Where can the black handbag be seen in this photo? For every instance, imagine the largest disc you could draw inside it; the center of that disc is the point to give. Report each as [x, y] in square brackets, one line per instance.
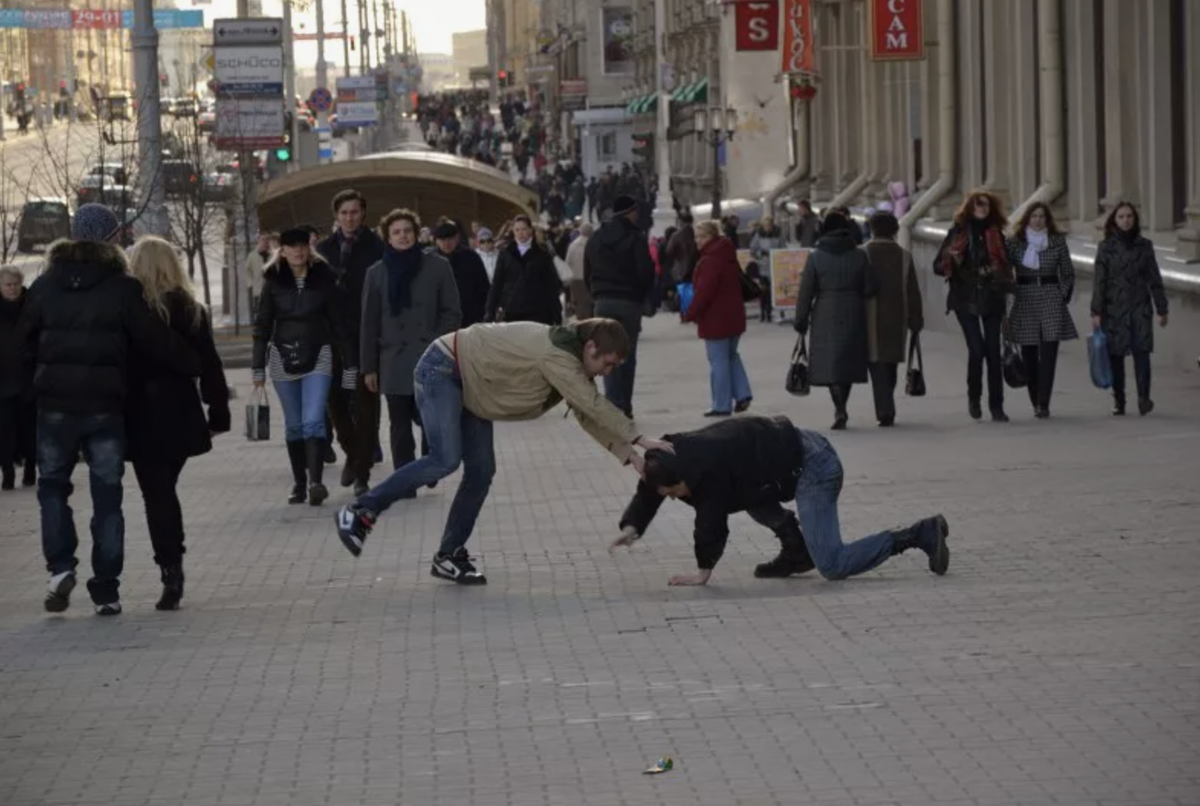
[914, 380]
[298, 357]
[1014, 367]
[797, 377]
[750, 289]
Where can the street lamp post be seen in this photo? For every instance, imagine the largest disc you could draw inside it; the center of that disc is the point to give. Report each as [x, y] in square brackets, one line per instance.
[664, 210]
[716, 129]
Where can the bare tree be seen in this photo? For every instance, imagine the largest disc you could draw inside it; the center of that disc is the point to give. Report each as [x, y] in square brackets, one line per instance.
[197, 216]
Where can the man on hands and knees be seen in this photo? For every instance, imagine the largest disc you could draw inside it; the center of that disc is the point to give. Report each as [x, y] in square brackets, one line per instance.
[468, 379]
[751, 465]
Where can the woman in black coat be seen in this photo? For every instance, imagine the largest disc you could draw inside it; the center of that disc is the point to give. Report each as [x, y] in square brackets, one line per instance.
[18, 415]
[526, 285]
[834, 287]
[165, 419]
[1127, 290]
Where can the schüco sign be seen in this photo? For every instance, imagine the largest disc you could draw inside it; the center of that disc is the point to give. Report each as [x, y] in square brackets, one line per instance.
[248, 65]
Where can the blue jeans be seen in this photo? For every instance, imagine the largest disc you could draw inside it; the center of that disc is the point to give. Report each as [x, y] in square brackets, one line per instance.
[618, 384]
[817, 492]
[726, 375]
[101, 437]
[303, 402]
[456, 436]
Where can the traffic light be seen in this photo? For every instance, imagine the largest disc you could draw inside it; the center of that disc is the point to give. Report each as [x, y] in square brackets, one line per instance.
[643, 145]
[283, 154]
[503, 78]
[21, 93]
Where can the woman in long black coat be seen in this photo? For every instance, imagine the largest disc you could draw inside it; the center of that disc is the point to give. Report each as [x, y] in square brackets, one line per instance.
[526, 285]
[17, 410]
[834, 287]
[1127, 290]
[165, 419]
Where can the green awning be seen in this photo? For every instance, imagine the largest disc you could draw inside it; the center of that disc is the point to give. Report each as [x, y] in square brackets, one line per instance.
[632, 108]
[651, 103]
[697, 93]
[681, 92]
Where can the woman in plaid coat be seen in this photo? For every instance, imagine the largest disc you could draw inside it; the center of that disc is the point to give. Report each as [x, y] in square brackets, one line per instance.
[1039, 319]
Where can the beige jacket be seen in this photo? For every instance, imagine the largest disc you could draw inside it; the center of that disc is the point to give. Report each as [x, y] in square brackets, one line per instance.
[575, 257]
[521, 370]
[254, 272]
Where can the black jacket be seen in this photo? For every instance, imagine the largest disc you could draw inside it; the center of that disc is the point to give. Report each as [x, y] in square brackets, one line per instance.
[81, 319]
[730, 466]
[525, 288]
[14, 376]
[617, 262]
[472, 280]
[352, 271]
[164, 415]
[311, 317]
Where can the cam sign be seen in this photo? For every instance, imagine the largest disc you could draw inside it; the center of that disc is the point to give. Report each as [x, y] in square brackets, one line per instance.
[896, 31]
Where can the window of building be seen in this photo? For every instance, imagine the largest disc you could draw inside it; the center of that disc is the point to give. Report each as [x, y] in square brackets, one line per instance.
[606, 147]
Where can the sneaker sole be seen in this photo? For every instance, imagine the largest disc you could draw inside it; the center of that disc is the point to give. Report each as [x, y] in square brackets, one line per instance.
[59, 600]
[939, 563]
[351, 542]
[434, 571]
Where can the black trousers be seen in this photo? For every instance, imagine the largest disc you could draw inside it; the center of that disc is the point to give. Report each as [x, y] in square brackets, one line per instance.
[883, 388]
[982, 334]
[1141, 375]
[403, 414]
[18, 432]
[355, 419]
[1041, 360]
[157, 479]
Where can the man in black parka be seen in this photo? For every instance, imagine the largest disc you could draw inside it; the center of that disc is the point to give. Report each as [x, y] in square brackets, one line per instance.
[752, 465]
[83, 316]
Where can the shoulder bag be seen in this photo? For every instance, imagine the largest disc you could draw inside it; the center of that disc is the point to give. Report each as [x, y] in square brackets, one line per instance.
[914, 380]
[797, 377]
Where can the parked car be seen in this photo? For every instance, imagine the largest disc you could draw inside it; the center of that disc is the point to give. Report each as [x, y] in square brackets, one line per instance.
[101, 189]
[114, 170]
[179, 177]
[206, 121]
[184, 108]
[43, 221]
[219, 187]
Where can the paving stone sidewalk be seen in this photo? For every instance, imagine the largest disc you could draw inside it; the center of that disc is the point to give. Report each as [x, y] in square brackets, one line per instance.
[1057, 663]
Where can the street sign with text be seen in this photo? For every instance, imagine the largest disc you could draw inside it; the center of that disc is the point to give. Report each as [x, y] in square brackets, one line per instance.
[254, 31]
[249, 71]
[249, 123]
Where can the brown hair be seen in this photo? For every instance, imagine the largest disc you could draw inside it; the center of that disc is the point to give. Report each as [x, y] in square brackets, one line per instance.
[1018, 229]
[346, 196]
[1110, 223]
[399, 214]
[996, 216]
[608, 335]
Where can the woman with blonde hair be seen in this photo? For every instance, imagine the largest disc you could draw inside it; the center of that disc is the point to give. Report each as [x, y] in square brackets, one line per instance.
[974, 260]
[165, 418]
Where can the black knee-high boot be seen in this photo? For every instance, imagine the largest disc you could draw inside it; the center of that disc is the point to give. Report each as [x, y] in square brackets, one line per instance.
[298, 459]
[314, 450]
[793, 555]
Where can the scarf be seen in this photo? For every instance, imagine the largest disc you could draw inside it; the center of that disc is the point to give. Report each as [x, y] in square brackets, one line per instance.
[401, 265]
[1035, 243]
[523, 248]
[954, 259]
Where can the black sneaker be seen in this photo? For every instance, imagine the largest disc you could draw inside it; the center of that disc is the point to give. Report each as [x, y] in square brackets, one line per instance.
[457, 567]
[353, 525]
[109, 609]
[58, 593]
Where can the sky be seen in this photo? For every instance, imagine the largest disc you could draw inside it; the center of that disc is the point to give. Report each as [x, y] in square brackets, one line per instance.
[433, 21]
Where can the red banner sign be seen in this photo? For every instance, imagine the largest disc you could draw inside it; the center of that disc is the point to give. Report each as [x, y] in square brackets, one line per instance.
[758, 25]
[95, 18]
[896, 30]
[798, 53]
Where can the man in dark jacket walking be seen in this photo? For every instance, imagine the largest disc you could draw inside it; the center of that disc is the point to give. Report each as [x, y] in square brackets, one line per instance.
[751, 465]
[351, 249]
[83, 315]
[469, 273]
[619, 273]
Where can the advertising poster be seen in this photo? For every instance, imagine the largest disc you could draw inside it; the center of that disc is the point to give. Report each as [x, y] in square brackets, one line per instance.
[786, 266]
[618, 39]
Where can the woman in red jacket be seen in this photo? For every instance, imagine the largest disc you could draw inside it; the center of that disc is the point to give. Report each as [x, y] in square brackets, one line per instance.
[720, 314]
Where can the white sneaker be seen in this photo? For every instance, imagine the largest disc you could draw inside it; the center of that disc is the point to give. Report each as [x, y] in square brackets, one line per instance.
[110, 609]
[58, 592]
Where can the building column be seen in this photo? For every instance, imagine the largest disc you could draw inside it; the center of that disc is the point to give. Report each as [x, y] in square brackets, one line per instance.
[926, 89]
[1121, 51]
[1079, 43]
[970, 89]
[1189, 236]
[823, 117]
[1003, 80]
[1158, 208]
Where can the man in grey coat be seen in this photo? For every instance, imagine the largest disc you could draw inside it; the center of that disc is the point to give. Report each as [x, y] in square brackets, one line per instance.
[409, 299]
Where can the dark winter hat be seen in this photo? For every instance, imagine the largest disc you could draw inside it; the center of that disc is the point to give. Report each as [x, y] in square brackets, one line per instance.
[296, 236]
[94, 222]
[446, 229]
[835, 222]
[623, 205]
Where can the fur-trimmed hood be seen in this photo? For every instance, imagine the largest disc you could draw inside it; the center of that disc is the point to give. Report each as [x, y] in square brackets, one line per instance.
[81, 265]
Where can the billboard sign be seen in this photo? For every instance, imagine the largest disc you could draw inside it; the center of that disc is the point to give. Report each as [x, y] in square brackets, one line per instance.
[757, 25]
[896, 31]
[798, 53]
[249, 123]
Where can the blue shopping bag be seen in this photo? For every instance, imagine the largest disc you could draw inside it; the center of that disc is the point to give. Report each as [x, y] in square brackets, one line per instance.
[1097, 346]
[686, 291]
